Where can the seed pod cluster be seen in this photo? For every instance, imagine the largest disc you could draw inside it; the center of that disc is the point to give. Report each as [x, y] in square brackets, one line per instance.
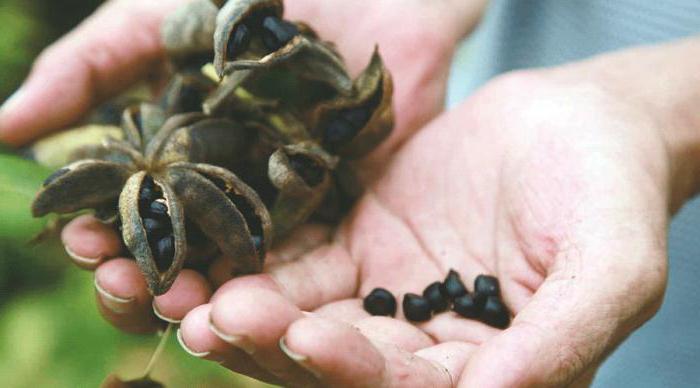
[484, 304]
[245, 143]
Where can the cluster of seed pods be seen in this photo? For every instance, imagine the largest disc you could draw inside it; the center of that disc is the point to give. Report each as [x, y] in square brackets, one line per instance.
[483, 304]
[250, 139]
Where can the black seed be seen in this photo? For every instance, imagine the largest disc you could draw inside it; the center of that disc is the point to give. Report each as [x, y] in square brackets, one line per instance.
[164, 251]
[148, 191]
[138, 121]
[467, 306]
[158, 210]
[435, 296]
[238, 42]
[338, 131]
[495, 313]
[57, 174]
[453, 286]
[416, 308]
[308, 170]
[380, 302]
[487, 285]
[257, 242]
[276, 32]
[155, 227]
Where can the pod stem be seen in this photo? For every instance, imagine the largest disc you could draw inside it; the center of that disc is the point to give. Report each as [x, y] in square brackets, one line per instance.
[159, 350]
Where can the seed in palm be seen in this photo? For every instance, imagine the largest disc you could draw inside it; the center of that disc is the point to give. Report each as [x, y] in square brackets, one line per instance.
[380, 302]
[453, 285]
[495, 313]
[467, 306]
[487, 285]
[436, 297]
[416, 308]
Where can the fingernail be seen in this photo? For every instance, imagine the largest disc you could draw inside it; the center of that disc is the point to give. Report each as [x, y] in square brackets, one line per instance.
[300, 359]
[187, 349]
[239, 341]
[114, 303]
[90, 262]
[161, 316]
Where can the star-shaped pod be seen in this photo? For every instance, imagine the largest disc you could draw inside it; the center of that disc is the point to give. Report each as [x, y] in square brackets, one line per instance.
[251, 34]
[161, 179]
[352, 126]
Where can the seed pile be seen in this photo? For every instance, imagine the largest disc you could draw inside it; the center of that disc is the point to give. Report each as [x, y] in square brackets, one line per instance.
[484, 304]
[249, 140]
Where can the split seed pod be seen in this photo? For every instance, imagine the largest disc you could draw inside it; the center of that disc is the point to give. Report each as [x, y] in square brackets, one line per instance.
[353, 126]
[187, 33]
[160, 179]
[251, 34]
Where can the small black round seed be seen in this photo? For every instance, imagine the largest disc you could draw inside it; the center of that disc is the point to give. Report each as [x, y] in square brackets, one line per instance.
[276, 32]
[148, 191]
[308, 170]
[57, 174]
[453, 285]
[487, 285]
[358, 117]
[157, 209]
[238, 42]
[495, 313]
[380, 302]
[467, 306]
[154, 227]
[416, 308]
[435, 296]
[164, 252]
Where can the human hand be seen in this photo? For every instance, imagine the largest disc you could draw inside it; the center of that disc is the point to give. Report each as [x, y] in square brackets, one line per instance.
[114, 48]
[560, 182]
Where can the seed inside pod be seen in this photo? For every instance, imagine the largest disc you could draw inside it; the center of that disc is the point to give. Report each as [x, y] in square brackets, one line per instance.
[159, 229]
[453, 285]
[308, 170]
[495, 313]
[467, 306]
[416, 308]
[487, 285]
[57, 174]
[157, 209]
[148, 192]
[277, 32]
[238, 42]
[163, 251]
[348, 122]
[380, 302]
[435, 296]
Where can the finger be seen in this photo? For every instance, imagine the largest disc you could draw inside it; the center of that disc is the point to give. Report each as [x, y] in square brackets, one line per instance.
[449, 326]
[393, 331]
[196, 339]
[123, 297]
[322, 276]
[579, 314]
[339, 355]
[189, 290]
[453, 356]
[108, 52]
[89, 242]
[254, 320]
[347, 310]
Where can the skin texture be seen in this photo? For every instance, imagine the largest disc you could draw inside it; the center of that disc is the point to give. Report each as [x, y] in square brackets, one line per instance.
[560, 182]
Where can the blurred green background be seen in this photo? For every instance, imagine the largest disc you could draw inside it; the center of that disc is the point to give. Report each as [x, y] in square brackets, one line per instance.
[51, 334]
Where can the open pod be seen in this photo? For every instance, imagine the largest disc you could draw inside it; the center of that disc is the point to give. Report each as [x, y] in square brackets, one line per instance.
[353, 126]
[302, 175]
[187, 34]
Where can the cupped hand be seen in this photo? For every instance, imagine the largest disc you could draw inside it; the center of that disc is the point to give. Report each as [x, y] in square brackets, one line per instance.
[120, 45]
[555, 183]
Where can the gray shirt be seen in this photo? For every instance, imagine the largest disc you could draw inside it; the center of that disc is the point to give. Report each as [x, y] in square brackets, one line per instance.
[532, 33]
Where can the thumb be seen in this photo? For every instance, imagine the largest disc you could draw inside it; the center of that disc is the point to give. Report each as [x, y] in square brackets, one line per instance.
[598, 292]
[103, 56]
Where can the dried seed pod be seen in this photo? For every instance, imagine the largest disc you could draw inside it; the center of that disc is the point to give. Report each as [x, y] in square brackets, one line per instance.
[251, 34]
[187, 92]
[141, 122]
[187, 33]
[353, 126]
[301, 173]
